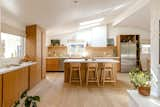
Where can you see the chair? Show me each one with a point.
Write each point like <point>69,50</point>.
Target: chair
<point>75,73</point>
<point>92,73</point>
<point>107,74</point>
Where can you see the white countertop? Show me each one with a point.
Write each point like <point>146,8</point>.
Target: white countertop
<point>13,68</point>
<point>81,57</point>
<point>143,101</point>
<point>90,60</point>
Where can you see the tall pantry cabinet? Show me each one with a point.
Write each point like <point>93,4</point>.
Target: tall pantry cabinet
<point>35,49</point>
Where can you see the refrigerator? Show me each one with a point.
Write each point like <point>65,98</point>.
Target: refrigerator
<point>128,56</point>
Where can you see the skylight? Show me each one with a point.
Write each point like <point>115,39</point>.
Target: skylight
<point>91,21</point>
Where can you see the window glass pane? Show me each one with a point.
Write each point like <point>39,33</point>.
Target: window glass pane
<point>12,45</point>
<point>145,48</point>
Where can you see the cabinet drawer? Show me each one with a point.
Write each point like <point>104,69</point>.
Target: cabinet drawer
<point>52,64</point>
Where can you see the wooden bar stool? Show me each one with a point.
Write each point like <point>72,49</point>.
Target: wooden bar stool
<point>75,73</point>
<point>107,74</point>
<point>92,73</point>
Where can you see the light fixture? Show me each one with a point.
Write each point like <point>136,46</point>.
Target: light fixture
<point>91,22</point>
<point>75,1</point>
<point>90,25</point>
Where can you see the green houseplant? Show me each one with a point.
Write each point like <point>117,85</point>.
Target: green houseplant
<point>140,80</point>
<point>27,101</point>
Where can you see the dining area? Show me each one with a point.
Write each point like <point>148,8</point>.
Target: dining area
<point>86,71</point>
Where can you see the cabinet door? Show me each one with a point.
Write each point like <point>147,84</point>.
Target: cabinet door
<point>34,76</point>
<point>44,49</point>
<point>52,64</point>
<point>0,90</point>
<point>14,83</point>
<point>39,49</point>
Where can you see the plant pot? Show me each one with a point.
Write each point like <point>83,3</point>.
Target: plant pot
<point>145,91</point>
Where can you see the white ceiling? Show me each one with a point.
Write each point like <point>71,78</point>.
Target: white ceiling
<point>140,19</point>
<point>63,16</point>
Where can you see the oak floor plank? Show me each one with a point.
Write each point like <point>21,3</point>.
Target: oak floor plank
<point>55,93</point>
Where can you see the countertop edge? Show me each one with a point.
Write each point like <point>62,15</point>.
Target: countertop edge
<point>81,58</point>
<point>13,68</point>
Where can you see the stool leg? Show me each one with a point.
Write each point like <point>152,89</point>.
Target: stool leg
<point>103,77</point>
<point>97,77</point>
<point>87,74</point>
<point>70,78</point>
<point>80,79</point>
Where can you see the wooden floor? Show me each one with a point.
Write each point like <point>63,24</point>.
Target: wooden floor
<point>54,93</point>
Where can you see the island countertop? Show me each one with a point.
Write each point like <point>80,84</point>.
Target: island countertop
<point>83,67</point>
<point>91,60</point>
<point>67,57</point>
<point>13,68</point>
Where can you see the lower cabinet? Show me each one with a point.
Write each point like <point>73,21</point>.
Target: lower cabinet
<point>52,64</point>
<point>34,76</point>
<point>0,90</point>
<point>14,83</point>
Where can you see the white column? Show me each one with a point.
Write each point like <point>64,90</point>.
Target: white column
<point>155,18</point>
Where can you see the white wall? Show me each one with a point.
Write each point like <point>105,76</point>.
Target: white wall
<point>155,17</point>
<point>114,31</point>
<point>96,36</point>
<point>10,24</point>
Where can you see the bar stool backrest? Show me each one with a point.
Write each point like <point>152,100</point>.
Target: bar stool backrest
<point>75,65</point>
<point>92,65</point>
<point>107,65</point>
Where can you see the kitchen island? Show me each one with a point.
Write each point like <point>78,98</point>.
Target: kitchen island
<point>84,67</point>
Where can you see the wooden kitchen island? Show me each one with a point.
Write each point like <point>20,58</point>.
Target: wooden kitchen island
<point>84,67</point>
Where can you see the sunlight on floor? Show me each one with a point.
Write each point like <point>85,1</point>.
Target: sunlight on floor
<point>55,93</point>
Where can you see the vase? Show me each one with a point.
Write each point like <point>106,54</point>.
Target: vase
<point>145,91</point>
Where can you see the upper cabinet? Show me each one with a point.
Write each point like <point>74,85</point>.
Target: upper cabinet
<point>35,46</point>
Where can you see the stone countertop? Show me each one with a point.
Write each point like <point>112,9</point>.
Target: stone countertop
<point>81,57</point>
<point>91,60</point>
<point>13,68</point>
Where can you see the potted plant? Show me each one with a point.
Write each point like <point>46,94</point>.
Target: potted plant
<point>141,80</point>
<point>27,101</point>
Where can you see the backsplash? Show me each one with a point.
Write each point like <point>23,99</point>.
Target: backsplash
<point>7,61</point>
<point>62,51</point>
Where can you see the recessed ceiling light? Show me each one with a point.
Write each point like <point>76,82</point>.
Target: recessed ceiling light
<point>91,21</point>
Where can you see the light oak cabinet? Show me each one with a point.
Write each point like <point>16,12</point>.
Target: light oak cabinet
<point>35,46</point>
<point>34,76</point>
<point>53,64</point>
<point>14,83</point>
<point>0,90</point>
